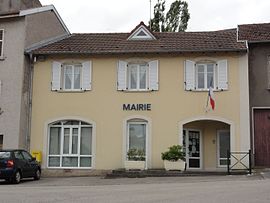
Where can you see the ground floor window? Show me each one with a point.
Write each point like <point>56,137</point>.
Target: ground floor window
<point>70,144</point>
<point>223,141</point>
<point>1,141</point>
<point>136,136</point>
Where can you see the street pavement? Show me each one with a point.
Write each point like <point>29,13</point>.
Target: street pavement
<point>235,188</point>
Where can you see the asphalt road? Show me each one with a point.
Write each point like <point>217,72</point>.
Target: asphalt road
<point>178,189</point>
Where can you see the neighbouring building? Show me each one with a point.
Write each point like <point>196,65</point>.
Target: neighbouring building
<point>23,25</point>
<point>95,96</point>
<point>258,40</point>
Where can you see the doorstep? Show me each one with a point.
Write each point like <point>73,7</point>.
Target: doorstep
<point>122,173</point>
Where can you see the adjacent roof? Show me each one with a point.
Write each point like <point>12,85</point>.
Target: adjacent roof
<point>254,32</point>
<point>170,42</point>
<point>35,11</point>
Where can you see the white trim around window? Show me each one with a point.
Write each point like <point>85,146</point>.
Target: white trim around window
<point>84,123</point>
<point>143,120</point>
<point>218,148</point>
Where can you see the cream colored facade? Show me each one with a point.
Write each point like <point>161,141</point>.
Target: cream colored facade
<point>173,109</point>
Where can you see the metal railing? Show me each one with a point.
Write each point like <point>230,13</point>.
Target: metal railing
<point>236,159</point>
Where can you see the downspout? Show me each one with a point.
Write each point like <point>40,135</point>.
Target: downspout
<point>29,118</point>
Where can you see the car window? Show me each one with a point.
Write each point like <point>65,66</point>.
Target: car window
<point>4,155</point>
<point>18,155</point>
<point>27,156</point>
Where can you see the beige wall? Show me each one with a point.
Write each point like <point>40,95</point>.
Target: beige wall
<point>171,106</point>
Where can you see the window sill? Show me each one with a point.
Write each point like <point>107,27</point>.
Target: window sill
<point>77,168</point>
<point>205,90</point>
<point>136,91</point>
<point>70,91</point>
<point>2,58</point>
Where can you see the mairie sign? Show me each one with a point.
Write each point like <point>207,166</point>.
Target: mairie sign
<point>136,107</point>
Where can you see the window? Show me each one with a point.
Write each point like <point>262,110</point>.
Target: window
<point>205,76</point>
<point>223,141</point>
<point>71,77</point>
<point>1,139</point>
<point>136,136</point>
<point>200,75</point>
<point>26,156</point>
<point>268,72</point>
<point>70,144</point>
<point>18,155</point>
<point>137,76</point>
<point>1,42</point>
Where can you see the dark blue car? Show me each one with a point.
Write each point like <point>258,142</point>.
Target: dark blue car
<point>17,164</point>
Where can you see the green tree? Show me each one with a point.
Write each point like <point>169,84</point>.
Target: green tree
<point>175,20</point>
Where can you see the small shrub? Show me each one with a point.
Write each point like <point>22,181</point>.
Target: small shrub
<point>135,154</point>
<point>174,153</point>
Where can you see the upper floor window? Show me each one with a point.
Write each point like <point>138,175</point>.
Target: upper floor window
<point>268,72</point>
<point>1,42</point>
<point>71,77</point>
<point>137,76</point>
<point>202,75</point>
<point>205,75</point>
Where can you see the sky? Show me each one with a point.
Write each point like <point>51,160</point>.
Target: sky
<point>86,16</point>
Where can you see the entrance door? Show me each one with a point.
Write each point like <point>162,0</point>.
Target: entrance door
<point>192,148</point>
<point>262,137</point>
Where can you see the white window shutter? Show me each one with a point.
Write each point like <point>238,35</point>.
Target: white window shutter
<point>189,75</point>
<point>153,75</point>
<point>222,75</point>
<point>56,76</point>
<point>122,75</point>
<point>86,75</point>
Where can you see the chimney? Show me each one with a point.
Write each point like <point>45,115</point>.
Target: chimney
<point>14,6</point>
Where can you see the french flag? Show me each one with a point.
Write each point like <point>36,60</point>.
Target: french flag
<point>211,97</point>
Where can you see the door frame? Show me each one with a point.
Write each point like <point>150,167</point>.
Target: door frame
<point>218,147</point>
<point>201,147</point>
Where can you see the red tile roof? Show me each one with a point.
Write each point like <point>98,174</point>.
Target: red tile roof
<point>170,42</point>
<point>254,32</point>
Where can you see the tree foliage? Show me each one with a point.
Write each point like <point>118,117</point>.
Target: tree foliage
<point>175,20</point>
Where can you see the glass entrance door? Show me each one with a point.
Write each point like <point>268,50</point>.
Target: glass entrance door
<point>192,148</point>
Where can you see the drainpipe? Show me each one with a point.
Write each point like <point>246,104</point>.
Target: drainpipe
<point>30,85</point>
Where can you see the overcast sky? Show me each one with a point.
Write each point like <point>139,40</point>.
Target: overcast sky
<point>123,15</point>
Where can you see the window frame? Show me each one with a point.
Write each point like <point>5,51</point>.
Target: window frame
<point>2,46</point>
<point>61,154</point>
<point>63,74</point>
<point>138,80</point>
<point>131,122</point>
<point>205,73</point>
<point>218,147</point>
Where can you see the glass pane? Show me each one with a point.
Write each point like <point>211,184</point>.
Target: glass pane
<point>143,70</point>
<point>85,161</point>
<point>4,155</point>
<point>194,163</point>
<point>137,136</point>
<point>54,161</point>
<point>1,48</point>
<point>223,162</point>
<point>68,77</point>
<point>224,144</point>
<point>1,141</point>
<point>66,141</point>
<point>70,162</point>
<point>200,80</point>
<point>74,141</point>
<point>133,77</point>
<point>184,142</point>
<point>86,141</point>
<point>77,77</point>
<point>194,144</point>
<point>55,140</point>
<point>71,122</point>
<point>210,75</point>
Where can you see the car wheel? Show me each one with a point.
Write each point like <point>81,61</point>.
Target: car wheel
<point>37,175</point>
<point>17,177</point>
